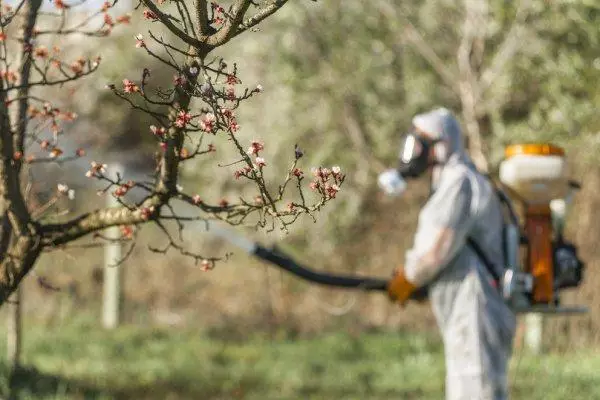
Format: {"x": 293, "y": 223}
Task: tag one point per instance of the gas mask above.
{"x": 413, "y": 162}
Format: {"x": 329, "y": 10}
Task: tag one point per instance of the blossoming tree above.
{"x": 201, "y": 103}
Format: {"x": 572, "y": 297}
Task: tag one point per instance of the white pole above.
{"x": 533, "y": 332}
{"x": 112, "y": 272}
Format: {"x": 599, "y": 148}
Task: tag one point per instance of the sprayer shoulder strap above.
{"x": 489, "y": 265}
{"x": 486, "y": 261}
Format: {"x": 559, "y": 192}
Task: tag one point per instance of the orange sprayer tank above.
{"x": 537, "y": 174}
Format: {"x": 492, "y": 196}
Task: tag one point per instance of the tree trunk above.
{"x": 13, "y": 334}
{"x": 14, "y": 338}
{"x": 22, "y": 255}
{"x": 476, "y": 149}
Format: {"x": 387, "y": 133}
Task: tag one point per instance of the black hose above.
{"x": 286, "y": 263}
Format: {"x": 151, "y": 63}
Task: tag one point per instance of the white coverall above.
{"x": 476, "y": 325}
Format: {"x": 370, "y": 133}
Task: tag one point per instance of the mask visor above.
{"x": 410, "y": 149}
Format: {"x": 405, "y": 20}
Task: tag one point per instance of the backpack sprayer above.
{"x": 539, "y": 262}
{"x": 536, "y": 176}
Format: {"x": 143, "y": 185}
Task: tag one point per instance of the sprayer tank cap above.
{"x": 534, "y": 149}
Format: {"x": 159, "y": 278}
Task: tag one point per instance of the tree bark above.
{"x": 14, "y": 329}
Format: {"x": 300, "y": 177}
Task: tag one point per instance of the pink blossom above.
{"x": 121, "y": 191}
{"x": 230, "y": 93}
{"x": 139, "y": 41}
{"x": 68, "y": 116}
{"x": 60, "y": 4}
{"x": 108, "y": 20}
{"x": 242, "y": 172}
{"x": 10, "y": 76}
{"x": 146, "y": 212}
{"x": 255, "y": 147}
{"x": 232, "y": 80}
{"x": 150, "y": 15}
{"x": 207, "y": 265}
{"x": 55, "y": 152}
{"x": 127, "y": 231}
{"x": 197, "y": 199}
{"x": 41, "y": 52}
{"x": 65, "y": 190}
{"x": 76, "y": 67}
{"x": 234, "y": 126}
{"x": 157, "y": 131}
{"x": 207, "y": 123}
{"x": 129, "y": 86}
{"x": 216, "y": 7}
{"x": 297, "y": 172}
{"x": 260, "y": 162}
{"x": 332, "y": 190}
{"x": 96, "y": 168}
{"x": 227, "y": 112}
{"x": 124, "y": 19}
{"x": 179, "y": 80}
{"x": 183, "y": 118}
{"x": 321, "y": 172}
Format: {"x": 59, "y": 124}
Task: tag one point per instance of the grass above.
{"x": 82, "y": 361}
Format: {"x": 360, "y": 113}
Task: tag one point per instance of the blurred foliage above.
{"x": 342, "y": 82}
{"x": 341, "y": 53}
{"x": 553, "y": 98}
{"x": 356, "y": 81}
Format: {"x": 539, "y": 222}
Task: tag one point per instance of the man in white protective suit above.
{"x": 476, "y": 325}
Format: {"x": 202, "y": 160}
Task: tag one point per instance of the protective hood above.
{"x": 441, "y": 125}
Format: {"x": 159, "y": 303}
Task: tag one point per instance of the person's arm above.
{"x": 442, "y": 230}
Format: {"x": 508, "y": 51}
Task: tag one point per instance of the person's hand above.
{"x": 399, "y": 288}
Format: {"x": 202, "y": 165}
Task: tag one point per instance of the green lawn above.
{"x": 83, "y": 361}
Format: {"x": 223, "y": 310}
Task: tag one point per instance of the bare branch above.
{"x": 473, "y": 30}
{"x": 358, "y": 136}
{"x": 61, "y": 233}
{"x": 45, "y": 82}
{"x": 202, "y": 17}
{"x": 419, "y": 44}
{"x": 14, "y": 13}
{"x": 257, "y": 18}
{"x": 12, "y": 144}
{"x": 230, "y": 28}
{"x": 199, "y": 44}
{"x": 509, "y": 47}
